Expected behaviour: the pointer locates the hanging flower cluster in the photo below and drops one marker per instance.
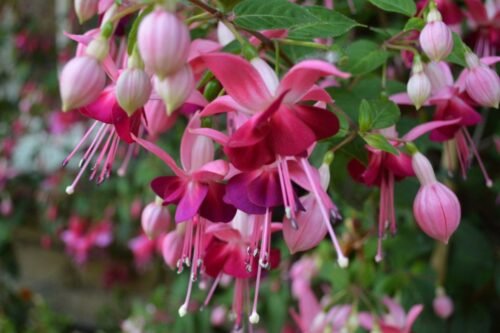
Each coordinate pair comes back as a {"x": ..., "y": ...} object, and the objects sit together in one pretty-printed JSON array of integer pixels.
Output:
[{"x": 245, "y": 171}]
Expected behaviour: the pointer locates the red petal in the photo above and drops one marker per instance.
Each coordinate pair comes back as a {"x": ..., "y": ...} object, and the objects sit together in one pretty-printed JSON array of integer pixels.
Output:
[
  {"x": 322, "y": 122},
  {"x": 214, "y": 208}
]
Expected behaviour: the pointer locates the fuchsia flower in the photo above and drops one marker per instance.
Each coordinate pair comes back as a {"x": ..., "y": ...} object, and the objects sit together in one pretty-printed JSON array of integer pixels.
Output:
[
  {"x": 80, "y": 238},
  {"x": 396, "y": 321},
  {"x": 277, "y": 125},
  {"x": 384, "y": 168},
  {"x": 197, "y": 188},
  {"x": 143, "y": 249},
  {"x": 483, "y": 19},
  {"x": 436, "y": 207}
]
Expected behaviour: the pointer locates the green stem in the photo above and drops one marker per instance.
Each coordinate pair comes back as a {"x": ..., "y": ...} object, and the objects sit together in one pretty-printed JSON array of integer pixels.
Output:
[
  {"x": 199, "y": 18},
  {"x": 128, "y": 11},
  {"x": 401, "y": 47},
  {"x": 347, "y": 139},
  {"x": 304, "y": 44}
]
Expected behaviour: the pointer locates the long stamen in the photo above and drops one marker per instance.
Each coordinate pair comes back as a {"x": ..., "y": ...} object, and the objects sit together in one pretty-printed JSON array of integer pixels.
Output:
[
  {"x": 342, "y": 260},
  {"x": 392, "y": 214},
  {"x": 489, "y": 182},
  {"x": 290, "y": 193},
  {"x": 123, "y": 168},
  {"x": 382, "y": 218},
  {"x": 289, "y": 210},
  {"x": 101, "y": 155},
  {"x": 80, "y": 143},
  {"x": 95, "y": 145},
  {"x": 212, "y": 290},
  {"x": 263, "y": 263}
]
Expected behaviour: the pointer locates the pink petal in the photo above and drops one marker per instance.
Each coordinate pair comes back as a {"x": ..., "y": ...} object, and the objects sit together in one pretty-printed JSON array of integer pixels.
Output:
[
  {"x": 240, "y": 79},
  {"x": 365, "y": 320},
  {"x": 400, "y": 165},
  {"x": 215, "y": 135},
  {"x": 104, "y": 5},
  {"x": 420, "y": 130},
  {"x": 265, "y": 190},
  {"x": 200, "y": 47},
  {"x": 301, "y": 77},
  {"x": 442, "y": 95},
  {"x": 317, "y": 94},
  {"x": 196, "y": 98},
  {"x": 163, "y": 155},
  {"x": 169, "y": 188},
  {"x": 212, "y": 171},
  {"x": 412, "y": 316},
  {"x": 237, "y": 193},
  {"x": 188, "y": 140},
  {"x": 214, "y": 208},
  {"x": 191, "y": 201},
  {"x": 221, "y": 104},
  {"x": 490, "y": 60},
  {"x": 401, "y": 99},
  {"x": 396, "y": 312},
  {"x": 311, "y": 231}
]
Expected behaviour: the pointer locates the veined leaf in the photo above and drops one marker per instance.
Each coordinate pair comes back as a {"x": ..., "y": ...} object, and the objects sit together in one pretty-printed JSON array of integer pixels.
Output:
[
  {"x": 406, "y": 7},
  {"x": 364, "y": 56}
]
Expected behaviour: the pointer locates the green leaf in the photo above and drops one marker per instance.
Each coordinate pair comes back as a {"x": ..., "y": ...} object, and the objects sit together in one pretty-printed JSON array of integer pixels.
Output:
[
  {"x": 364, "y": 118},
  {"x": 364, "y": 56},
  {"x": 457, "y": 55},
  {"x": 384, "y": 113},
  {"x": 270, "y": 14},
  {"x": 406, "y": 7},
  {"x": 414, "y": 23},
  {"x": 379, "y": 141},
  {"x": 323, "y": 23}
]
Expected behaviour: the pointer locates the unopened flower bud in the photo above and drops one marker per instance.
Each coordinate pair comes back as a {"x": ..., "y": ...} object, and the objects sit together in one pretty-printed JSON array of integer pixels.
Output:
[
  {"x": 172, "y": 247},
  {"x": 442, "y": 304},
  {"x": 85, "y": 9},
  {"x": 419, "y": 86},
  {"x": 436, "y": 207},
  {"x": 224, "y": 35},
  {"x": 155, "y": 219},
  {"x": 436, "y": 39},
  {"x": 163, "y": 41},
  {"x": 81, "y": 82},
  {"x": 133, "y": 89},
  {"x": 98, "y": 48},
  {"x": 176, "y": 88},
  {"x": 481, "y": 82}
]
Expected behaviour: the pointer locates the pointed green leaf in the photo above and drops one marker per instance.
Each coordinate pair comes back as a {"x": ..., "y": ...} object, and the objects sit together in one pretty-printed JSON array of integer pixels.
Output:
[
  {"x": 406, "y": 7},
  {"x": 379, "y": 141},
  {"x": 364, "y": 56}
]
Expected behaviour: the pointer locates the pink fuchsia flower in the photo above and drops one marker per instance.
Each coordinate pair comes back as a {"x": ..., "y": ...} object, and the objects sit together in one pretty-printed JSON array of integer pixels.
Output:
[
  {"x": 85, "y": 9},
  {"x": 197, "y": 188},
  {"x": 277, "y": 125},
  {"x": 436, "y": 207},
  {"x": 481, "y": 82},
  {"x": 143, "y": 250},
  {"x": 155, "y": 219},
  {"x": 436, "y": 39},
  {"x": 418, "y": 87},
  {"x": 163, "y": 41},
  {"x": 442, "y": 304},
  {"x": 158, "y": 122},
  {"x": 482, "y": 18},
  {"x": 234, "y": 250},
  {"x": 396, "y": 321}
]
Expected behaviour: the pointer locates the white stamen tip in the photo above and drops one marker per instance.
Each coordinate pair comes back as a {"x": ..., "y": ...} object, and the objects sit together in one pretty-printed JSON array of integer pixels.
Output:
[
  {"x": 254, "y": 318},
  {"x": 378, "y": 258},
  {"x": 343, "y": 262},
  {"x": 489, "y": 183},
  {"x": 70, "y": 190},
  {"x": 183, "y": 310},
  {"x": 120, "y": 172},
  {"x": 288, "y": 212}
]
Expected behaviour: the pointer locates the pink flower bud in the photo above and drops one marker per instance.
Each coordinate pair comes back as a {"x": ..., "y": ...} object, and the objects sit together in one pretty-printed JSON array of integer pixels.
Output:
[
  {"x": 481, "y": 82},
  {"x": 81, "y": 82},
  {"x": 175, "y": 88},
  {"x": 436, "y": 39},
  {"x": 133, "y": 89},
  {"x": 158, "y": 120},
  {"x": 172, "y": 247},
  {"x": 164, "y": 42},
  {"x": 85, "y": 9},
  {"x": 439, "y": 75},
  {"x": 155, "y": 219},
  {"x": 436, "y": 207},
  {"x": 443, "y": 305},
  {"x": 419, "y": 86}
]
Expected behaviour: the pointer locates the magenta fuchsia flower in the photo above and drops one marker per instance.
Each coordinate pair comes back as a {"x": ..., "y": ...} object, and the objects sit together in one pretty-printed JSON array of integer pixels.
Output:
[
  {"x": 452, "y": 103},
  {"x": 436, "y": 207},
  {"x": 143, "y": 248},
  {"x": 383, "y": 169},
  {"x": 277, "y": 125},
  {"x": 80, "y": 238},
  {"x": 482, "y": 17},
  {"x": 164, "y": 42},
  {"x": 435, "y": 39},
  {"x": 396, "y": 321}
]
